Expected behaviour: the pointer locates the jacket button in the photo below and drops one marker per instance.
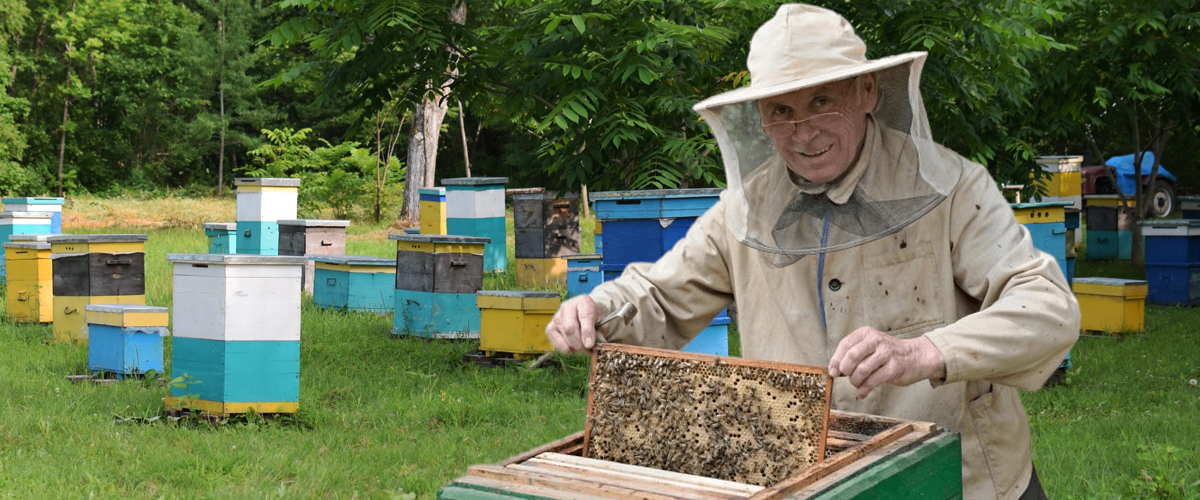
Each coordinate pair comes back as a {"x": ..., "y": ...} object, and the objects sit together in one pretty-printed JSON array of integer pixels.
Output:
[{"x": 835, "y": 285}]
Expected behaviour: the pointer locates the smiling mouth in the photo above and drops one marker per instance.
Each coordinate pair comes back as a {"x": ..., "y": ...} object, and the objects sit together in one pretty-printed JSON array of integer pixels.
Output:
[{"x": 814, "y": 155}]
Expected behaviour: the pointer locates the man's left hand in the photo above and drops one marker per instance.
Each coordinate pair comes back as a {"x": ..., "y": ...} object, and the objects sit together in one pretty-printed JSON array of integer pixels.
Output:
[{"x": 870, "y": 358}]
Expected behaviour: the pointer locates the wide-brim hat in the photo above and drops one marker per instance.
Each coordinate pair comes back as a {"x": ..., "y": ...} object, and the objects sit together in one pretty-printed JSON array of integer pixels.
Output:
[{"x": 805, "y": 46}]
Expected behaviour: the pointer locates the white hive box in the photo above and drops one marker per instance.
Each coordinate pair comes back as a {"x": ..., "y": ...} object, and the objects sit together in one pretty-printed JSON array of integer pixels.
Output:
[{"x": 266, "y": 199}]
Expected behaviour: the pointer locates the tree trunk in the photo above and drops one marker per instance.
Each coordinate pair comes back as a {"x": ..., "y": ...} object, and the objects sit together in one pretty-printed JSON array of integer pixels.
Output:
[{"x": 221, "y": 91}]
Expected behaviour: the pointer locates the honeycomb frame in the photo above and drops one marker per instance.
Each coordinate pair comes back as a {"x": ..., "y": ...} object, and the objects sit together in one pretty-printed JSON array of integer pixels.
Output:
[{"x": 751, "y": 421}]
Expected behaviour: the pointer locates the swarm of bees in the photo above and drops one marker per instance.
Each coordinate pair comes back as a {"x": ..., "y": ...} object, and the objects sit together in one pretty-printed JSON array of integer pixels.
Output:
[{"x": 705, "y": 415}]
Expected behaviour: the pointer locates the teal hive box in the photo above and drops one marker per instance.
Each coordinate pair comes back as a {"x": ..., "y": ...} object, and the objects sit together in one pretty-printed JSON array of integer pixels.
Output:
[
  {"x": 125, "y": 339},
  {"x": 237, "y": 333},
  {"x": 354, "y": 283},
  {"x": 261, "y": 203},
  {"x": 50, "y": 205},
  {"x": 222, "y": 237},
  {"x": 475, "y": 207},
  {"x": 16, "y": 223}
]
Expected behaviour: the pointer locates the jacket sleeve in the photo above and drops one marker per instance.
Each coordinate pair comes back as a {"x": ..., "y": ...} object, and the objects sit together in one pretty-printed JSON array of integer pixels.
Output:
[
  {"x": 1028, "y": 318},
  {"x": 677, "y": 296}
]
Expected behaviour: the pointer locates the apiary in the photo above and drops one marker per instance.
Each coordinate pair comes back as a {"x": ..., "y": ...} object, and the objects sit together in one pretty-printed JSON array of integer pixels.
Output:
[
  {"x": 125, "y": 339},
  {"x": 1172, "y": 261},
  {"x": 222, "y": 236},
  {"x": 94, "y": 269},
  {"x": 14, "y": 223},
  {"x": 1109, "y": 227},
  {"x": 1063, "y": 181},
  {"x": 1190, "y": 206},
  {"x": 237, "y": 333},
  {"x": 261, "y": 204},
  {"x": 857, "y": 456},
  {"x": 30, "y": 282},
  {"x": 437, "y": 277},
  {"x": 514, "y": 322},
  {"x": 307, "y": 237},
  {"x": 475, "y": 207},
  {"x": 354, "y": 283},
  {"x": 1111, "y": 304},
  {"x": 583, "y": 273},
  {"x": 433, "y": 210},
  {"x": 546, "y": 227},
  {"x": 49, "y": 205}
]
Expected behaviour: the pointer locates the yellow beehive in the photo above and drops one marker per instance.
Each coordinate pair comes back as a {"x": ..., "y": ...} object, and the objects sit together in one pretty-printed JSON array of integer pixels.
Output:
[
  {"x": 30, "y": 282},
  {"x": 433, "y": 210},
  {"x": 514, "y": 322},
  {"x": 551, "y": 272},
  {"x": 1063, "y": 175},
  {"x": 92, "y": 269},
  {"x": 1111, "y": 304}
]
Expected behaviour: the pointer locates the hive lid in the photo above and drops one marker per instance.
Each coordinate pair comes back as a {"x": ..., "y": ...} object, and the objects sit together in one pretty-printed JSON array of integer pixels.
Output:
[
  {"x": 267, "y": 181},
  {"x": 431, "y": 190},
  {"x": 439, "y": 238},
  {"x": 26, "y": 215},
  {"x": 583, "y": 256},
  {"x": 359, "y": 260},
  {"x": 224, "y": 258},
  {"x": 28, "y": 245},
  {"x": 31, "y": 237},
  {"x": 97, "y": 238},
  {"x": 1041, "y": 204},
  {"x": 548, "y": 194},
  {"x": 1163, "y": 223},
  {"x": 656, "y": 194},
  {"x": 35, "y": 200},
  {"x": 125, "y": 308},
  {"x": 314, "y": 222},
  {"x": 521, "y": 294},
  {"x": 224, "y": 226},
  {"x": 474, "y": 181}
]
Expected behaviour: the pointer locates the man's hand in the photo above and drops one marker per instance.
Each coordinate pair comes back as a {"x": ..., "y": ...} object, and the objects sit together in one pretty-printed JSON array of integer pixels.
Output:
[
  {"x": 573, "y": 327},
  {"x": 870, "y": 358}
]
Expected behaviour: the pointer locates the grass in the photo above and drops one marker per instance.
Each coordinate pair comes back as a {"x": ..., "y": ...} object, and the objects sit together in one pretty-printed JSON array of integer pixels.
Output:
[{"x": 398, "y": 418}]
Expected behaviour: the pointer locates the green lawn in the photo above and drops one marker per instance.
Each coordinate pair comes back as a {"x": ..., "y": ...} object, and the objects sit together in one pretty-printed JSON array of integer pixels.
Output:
[{"x": 390, "y": 418}]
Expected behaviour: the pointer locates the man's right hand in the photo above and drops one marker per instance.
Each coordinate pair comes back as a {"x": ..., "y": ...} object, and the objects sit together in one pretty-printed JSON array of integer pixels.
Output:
[{"x": 573, "y": 327}]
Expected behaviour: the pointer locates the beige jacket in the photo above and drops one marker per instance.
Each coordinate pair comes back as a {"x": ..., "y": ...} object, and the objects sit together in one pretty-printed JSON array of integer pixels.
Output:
[{"x": 966, "y": 276}]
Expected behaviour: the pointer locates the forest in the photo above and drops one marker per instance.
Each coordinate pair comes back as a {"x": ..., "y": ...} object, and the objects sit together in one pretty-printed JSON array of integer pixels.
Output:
[{"x": 364, "y": 100}]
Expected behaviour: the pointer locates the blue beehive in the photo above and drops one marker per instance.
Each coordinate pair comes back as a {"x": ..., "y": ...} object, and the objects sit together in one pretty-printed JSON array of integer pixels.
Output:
[
  {"x": 1190, "y": 206},
  {"x": 437, "y": 277},
  {"x": 222, "y": 237},
  {"x": 583, "y": 273},
  {"x": 641, "y": 226},
  {"x": 1172, "y": 261},
  {"x": 50, "y": 205},
  {"x": 125, "y": 339},
  {"x": 1047, "y": 224},
  {"x": 354, "y": 283},
  {"x": 14, "y": 223},
  {"x": 475, "y": 207}
]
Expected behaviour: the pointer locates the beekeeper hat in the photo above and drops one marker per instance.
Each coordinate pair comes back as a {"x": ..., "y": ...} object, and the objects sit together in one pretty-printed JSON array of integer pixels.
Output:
[{"x": 804, "y": 46}]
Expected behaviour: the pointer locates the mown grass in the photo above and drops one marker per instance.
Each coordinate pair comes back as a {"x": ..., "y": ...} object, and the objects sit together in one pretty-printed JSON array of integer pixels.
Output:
[{"x": 396, "y": 418}]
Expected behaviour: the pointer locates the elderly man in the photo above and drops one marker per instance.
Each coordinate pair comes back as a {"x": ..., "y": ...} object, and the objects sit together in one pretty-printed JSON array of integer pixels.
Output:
[{"x": 849, "y": 239}]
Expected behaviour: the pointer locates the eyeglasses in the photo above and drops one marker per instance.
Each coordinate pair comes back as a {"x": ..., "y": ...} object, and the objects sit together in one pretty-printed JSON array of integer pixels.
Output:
[{"x": 786, "y": 128}]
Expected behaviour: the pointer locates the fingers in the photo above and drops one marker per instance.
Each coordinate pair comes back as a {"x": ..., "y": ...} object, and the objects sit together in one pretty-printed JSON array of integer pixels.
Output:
[
  {"x": 573, "y": 327},
  {"x": 870, "y": 358}
]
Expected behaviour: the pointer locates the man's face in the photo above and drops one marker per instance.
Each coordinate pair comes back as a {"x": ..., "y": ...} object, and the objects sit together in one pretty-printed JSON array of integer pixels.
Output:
[{"x": 819, "y": 131}]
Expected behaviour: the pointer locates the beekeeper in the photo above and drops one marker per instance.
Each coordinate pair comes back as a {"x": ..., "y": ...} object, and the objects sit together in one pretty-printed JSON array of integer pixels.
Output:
[{"x": 848, "y": 238}]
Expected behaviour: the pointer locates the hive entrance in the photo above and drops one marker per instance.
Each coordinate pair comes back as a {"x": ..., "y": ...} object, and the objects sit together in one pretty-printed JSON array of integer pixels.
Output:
[{"x": 753, "y": 422}]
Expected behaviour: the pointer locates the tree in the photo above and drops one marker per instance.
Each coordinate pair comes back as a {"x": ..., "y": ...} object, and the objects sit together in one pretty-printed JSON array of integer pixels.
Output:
[{"x": 15, "y": 179}]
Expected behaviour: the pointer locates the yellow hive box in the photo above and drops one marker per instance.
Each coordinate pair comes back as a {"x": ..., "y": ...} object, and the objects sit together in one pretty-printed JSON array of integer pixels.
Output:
[
  {"x": 1110, "y": 200},
  {"x": 1063, "y": 175},
  {"x": 69, "y": 314},
  {"x": 1111, "y": 304},
  {"x": 514, "y": 322},
  {"x": 30, "y": 282},
  {"x": 433, "y": 210},
  {"x": 550, "y": 272}
]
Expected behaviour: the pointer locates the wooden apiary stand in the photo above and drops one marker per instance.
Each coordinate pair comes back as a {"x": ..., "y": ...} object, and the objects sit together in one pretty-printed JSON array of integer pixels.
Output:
[
  {"x": 13, "y": 223},
  {"x": 1111, "y": 304},
  {"x": 354, "y": 283},
  {"x": 94, "y": 269},
  {"x": 641, "y": 226},
  {"x": 864, "y": 456},
  {"x": 304, "y": 237},
  {"x": 475, "y": 207},
  {"x": 237, "y": 330},
  {"x": 514, "y": 322},
  {"x": 49, "y": 205},
  {"x": 583, "y": 273},
  {"x": 30, "y": 282},
  {"x": 546, "y": 227},
  {"x": 437, "y": 277},
  {"x": 261, "y": 203},
  {"x": 222, "y": 236},
  {"x": 433, "y": 210},
  {"x": 125, "y": 339}
]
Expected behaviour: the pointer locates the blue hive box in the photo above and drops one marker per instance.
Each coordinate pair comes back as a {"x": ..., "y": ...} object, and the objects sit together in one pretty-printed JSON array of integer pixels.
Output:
[
  {"x": 354, "y": 283},
  {"x": 49, "y": 205},
  {"x": 222, "y": 237},
  {"x": 1172, "y": 261},
  {"x": 1190, "y": 206},
  {"x": 640, "y": 226},
  {"x": 583, "y": 273},
  {"x": 125, "y": 339}
]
